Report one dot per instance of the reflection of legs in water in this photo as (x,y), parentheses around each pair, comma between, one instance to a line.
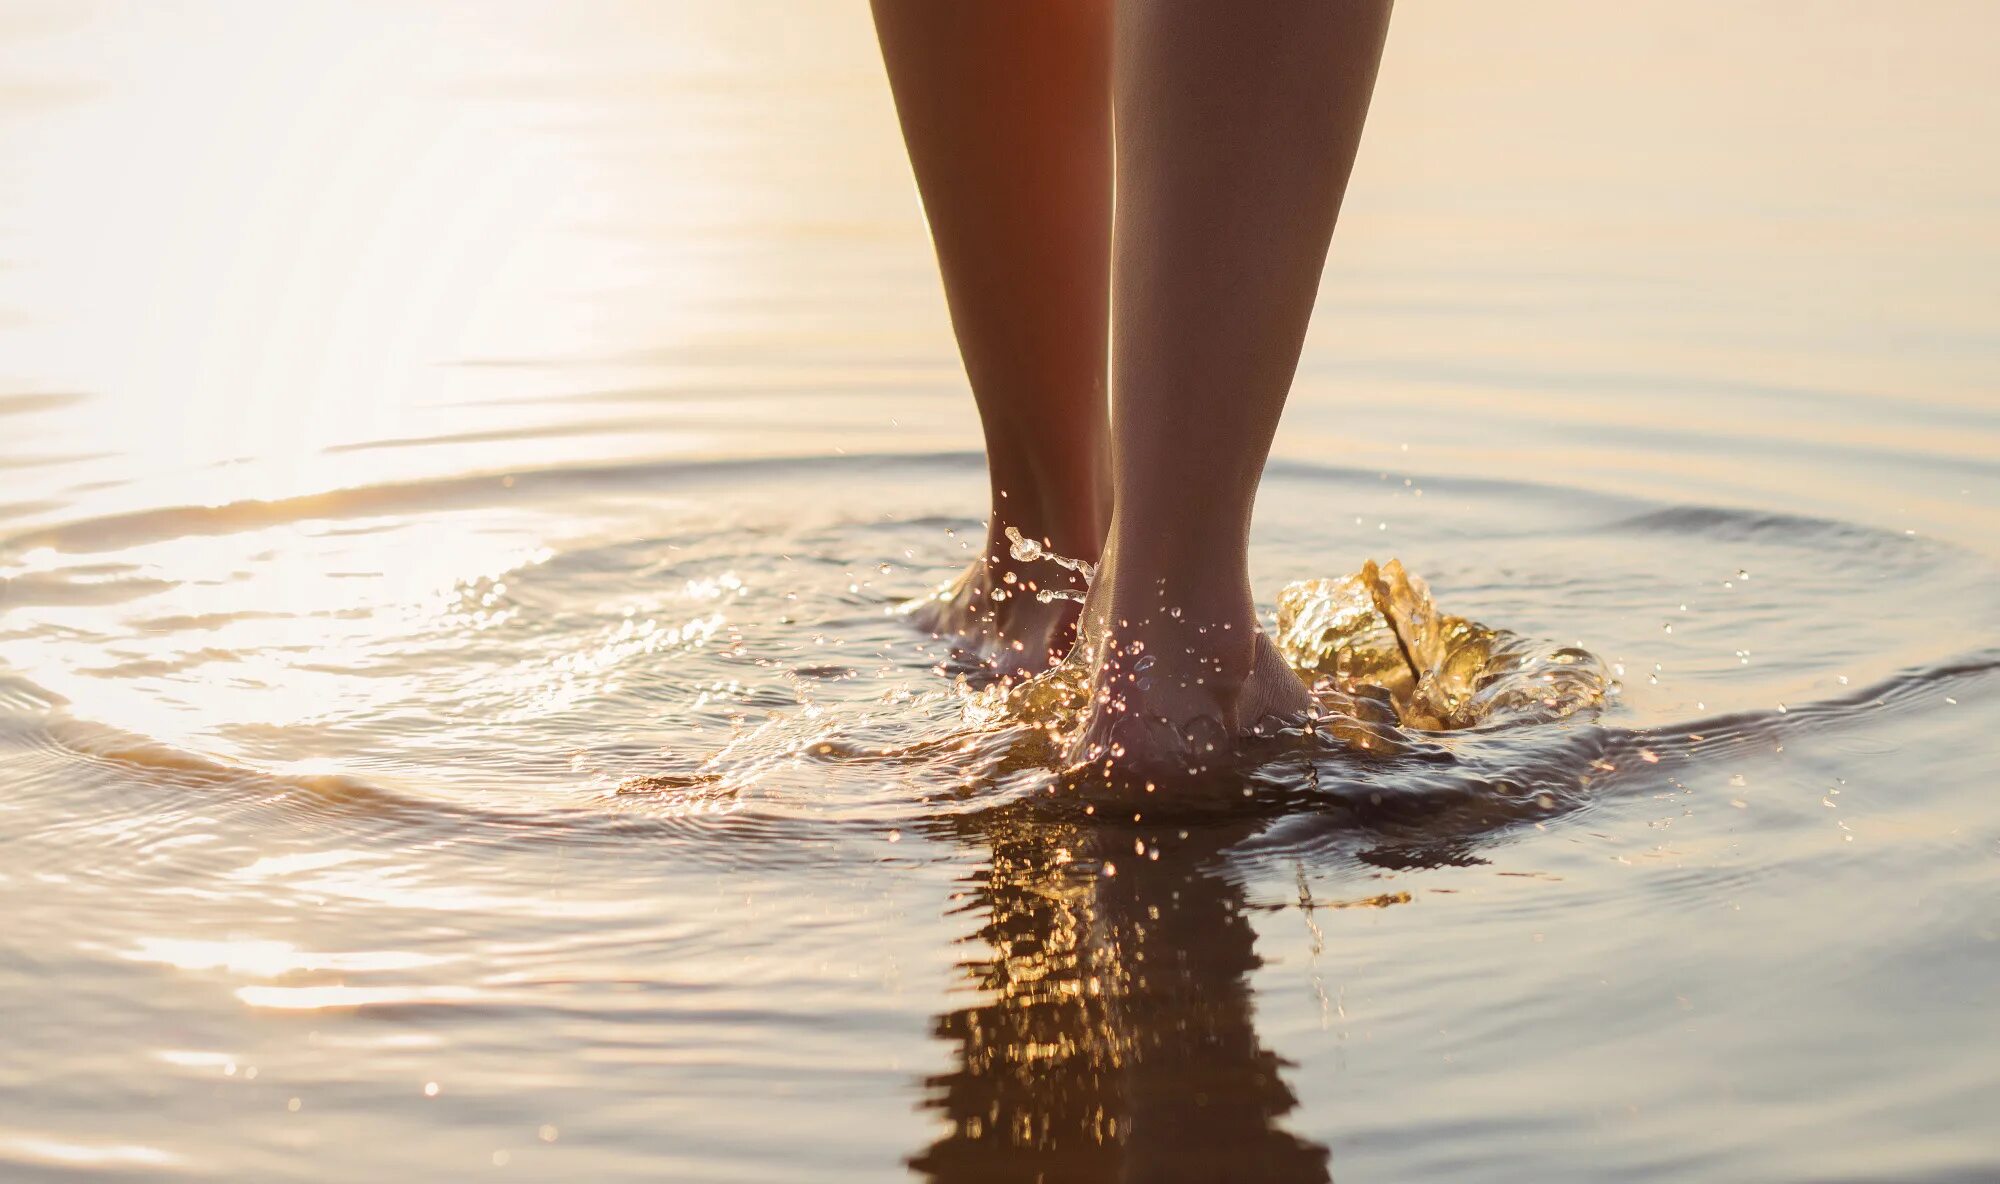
(1117,1039)
(1006,109)
(1237,127)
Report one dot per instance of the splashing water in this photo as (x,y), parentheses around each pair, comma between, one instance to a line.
(1027,550)
(1380,656)
(1378,633)
(1384,664)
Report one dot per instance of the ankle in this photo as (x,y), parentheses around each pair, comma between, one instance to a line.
(1064,535)
(1068,513)
(1196,597)
(1003,579)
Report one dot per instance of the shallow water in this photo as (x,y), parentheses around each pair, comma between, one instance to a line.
(455,719)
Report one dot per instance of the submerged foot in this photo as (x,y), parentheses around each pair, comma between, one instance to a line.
(995,613)
(1180,674)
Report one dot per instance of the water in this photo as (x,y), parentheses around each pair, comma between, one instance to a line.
(454,495)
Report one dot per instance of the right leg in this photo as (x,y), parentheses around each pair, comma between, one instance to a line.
(1237,127)
(1006,109)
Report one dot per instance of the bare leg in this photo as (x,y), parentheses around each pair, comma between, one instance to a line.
(1237,128)
(1006,108)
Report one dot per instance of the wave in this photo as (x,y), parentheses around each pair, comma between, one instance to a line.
(1437,802)
(112,531)
(109,531)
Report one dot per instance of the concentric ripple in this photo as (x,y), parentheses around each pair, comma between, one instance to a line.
(628,784)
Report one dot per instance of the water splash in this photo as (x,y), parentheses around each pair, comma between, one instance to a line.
(1379,634)
(1385,665)
(1380,657)
(1027,550)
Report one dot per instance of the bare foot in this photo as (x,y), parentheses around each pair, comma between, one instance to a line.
(1179,673)
(995,613)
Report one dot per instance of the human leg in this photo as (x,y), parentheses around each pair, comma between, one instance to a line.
(1005,108)
(1237,129)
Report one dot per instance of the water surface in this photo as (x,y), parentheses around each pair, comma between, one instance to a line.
(456,476)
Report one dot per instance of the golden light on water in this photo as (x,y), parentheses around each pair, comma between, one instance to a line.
(98,1156)
(342,996)
(272,242)
(293,628)
(282,249)
(258,958)
(261,243)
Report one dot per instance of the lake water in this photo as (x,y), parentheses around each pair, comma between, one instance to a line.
(457,464)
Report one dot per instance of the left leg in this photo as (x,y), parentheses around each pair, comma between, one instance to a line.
(1006,109)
